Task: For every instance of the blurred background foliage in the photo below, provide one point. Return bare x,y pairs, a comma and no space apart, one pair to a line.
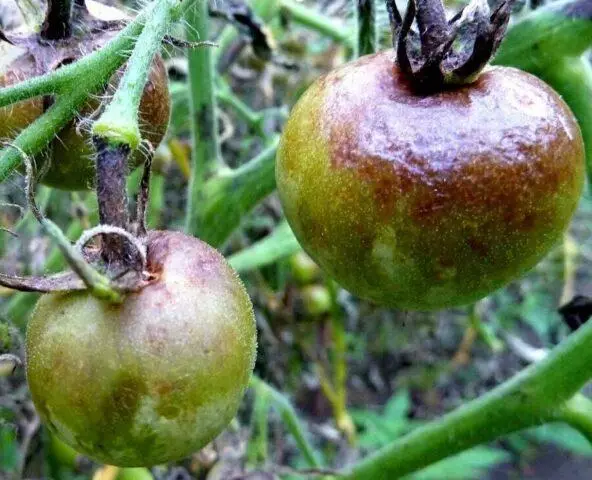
359,375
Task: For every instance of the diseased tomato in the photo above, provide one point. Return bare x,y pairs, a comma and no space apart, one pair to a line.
68,162
155,378
426,202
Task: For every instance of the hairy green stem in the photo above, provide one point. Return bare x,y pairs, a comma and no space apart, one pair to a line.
290,418
231,194
367,33
90,70
577,412
119,123
539,394
19,306
314,20
37,136
281,243
205,151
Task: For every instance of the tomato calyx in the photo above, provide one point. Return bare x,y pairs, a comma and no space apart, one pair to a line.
446,52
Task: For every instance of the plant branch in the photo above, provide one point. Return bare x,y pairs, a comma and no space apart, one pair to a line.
118,124
111,166
365,13
281,243
57,24
228,196
91,70
314,20
205,151
577,412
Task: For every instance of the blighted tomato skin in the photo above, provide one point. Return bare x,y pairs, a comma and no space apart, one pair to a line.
68,162
151,380
428,202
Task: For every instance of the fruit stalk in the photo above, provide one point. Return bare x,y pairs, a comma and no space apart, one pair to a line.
58,20
111,167
433,28
118,124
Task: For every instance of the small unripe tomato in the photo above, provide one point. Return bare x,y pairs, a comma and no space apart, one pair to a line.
304,269
426,202
68,162
316,300
155,378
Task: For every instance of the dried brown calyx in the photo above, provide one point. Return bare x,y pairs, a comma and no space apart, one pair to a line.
446,52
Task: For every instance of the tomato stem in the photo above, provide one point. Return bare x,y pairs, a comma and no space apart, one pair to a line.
205,151
435,61
433,27
58,20
365,12
118,124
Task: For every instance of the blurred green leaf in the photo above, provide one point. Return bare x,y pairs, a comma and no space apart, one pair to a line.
562,436
9,454
470,465
380,429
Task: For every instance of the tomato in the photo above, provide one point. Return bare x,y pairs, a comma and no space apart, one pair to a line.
68,163
155,378
425,202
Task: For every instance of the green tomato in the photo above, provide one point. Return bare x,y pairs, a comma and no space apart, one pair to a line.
153,379
425,202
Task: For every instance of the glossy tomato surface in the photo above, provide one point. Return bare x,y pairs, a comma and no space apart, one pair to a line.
153,379
426,202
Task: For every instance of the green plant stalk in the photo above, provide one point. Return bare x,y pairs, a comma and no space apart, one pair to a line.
265,10
94,68
231,194
257,451
339,336
314,20
76,81
88,76
156,200
281,243
577,412
205,147
572,79
539,394
290,418
484,330
367,33
254,119
19,306
37,136
118,124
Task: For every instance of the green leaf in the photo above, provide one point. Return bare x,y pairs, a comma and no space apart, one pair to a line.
9,454
380,429
562,436
468,465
